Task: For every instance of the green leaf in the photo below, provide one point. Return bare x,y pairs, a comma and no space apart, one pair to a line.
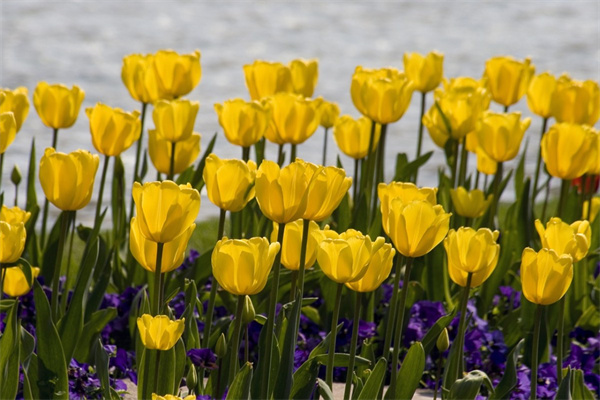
283,385
509,379
373,384
9,356
434,332
468,387
564,390
27,347
342,359
101,362
87,337
180,359
305,378
579,389
240,387
405,170
410,373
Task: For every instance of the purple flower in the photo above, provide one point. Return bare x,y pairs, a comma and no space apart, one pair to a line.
203,358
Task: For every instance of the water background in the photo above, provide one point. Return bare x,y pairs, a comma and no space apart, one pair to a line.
83,43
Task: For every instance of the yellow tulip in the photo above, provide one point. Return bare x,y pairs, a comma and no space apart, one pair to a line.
293,120
485,164
264,78
305,74
594,158
176,74
174,120
160,150
139,77
352,136
243,122
15,283
242,266
144,250
545,276
500,134
8,130
469,84
381,95
159,332
406,192
14,215
229,183
416,227
470,204
164,209
12,241
378,269
471,251
68,179
576,101
567,150
113,130
345,259
574,239
329,113
508,79
593,212
540,93
171,397
282,193
292,240
57,105
425,72
17,102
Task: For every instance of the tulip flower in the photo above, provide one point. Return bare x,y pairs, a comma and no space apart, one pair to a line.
171,397
352,136
174,120
161,152
378,270
244,123
12,241
113,130
305,74
15,283
264,78
500,134
469,84
326,191
229,183
567,150
508,79
574,239
485,164
470,204
425,72
57,105
68,179
140,79
242,266
540,93
291,247
17,102
159,332
575,101
14,215
294,119
406,192
176,74
329,113
8,131
545,275
594,159
591,213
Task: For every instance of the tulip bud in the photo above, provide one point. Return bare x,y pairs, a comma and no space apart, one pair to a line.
191,379
57,105
353,135
304,75
248,312
8,130
508,79
221,348
17,102
443,341
425,72
15,176
329,113
139,77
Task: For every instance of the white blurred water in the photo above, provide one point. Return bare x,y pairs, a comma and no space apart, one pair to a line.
83,43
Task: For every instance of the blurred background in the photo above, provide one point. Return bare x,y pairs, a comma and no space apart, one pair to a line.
83,43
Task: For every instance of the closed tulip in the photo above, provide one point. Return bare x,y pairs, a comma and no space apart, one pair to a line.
174,120
545,276
352,136
159,332
567,150
290,255
293,120
12,241
57,105
378,270
345,259
471,251
282,193
160,150
590,214
243,122
406,192
68,179
470,204
329,113
500,134
15,282
508,79
113,130
485,164
305,74
242,266
229,183
577,102
8,130
540,93
139,77
144,250
264,78
425,72
17,102
574,239
381,95
416,227
164,209
14,215
326,191
176,74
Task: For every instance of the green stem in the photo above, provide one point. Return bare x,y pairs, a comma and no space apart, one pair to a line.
333,333
217,388
101,191
16,187
400,324
172,163
63,300
54,138
379,175
462,328
534,351
44,222
371,156
438,375
353,345
420,139
496,191
505,109
476,186
213,294
64,225
293,153
454,162
280,155
293,283
389,327
237,328
355,183
538,165
559,339
464,160
247,344
1,167
265,389
245,154
564,191
156,370
157,280
325,147
138,154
